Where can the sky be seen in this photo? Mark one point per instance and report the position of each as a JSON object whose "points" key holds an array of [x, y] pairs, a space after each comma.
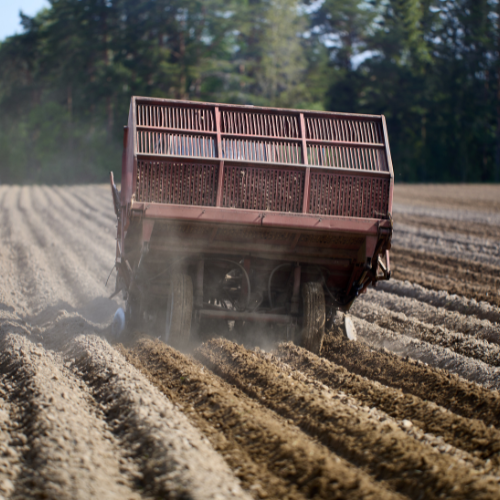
{"points": [[9, 14]]}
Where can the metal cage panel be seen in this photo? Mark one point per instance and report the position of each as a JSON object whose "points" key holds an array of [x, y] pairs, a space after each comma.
{"points": [[344, 129], [263, 124], [348, 196], [278, 160], [177, 183], [270, 189], [266, 151], [163, 143], [176, 117], [361, 158]]}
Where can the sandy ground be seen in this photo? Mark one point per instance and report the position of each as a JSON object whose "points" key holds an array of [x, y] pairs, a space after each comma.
{"points": [[410, 410]]}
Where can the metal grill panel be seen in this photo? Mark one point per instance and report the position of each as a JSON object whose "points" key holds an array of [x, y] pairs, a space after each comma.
{"points": [[151, 142], [344, 129], [188, 118], [271, 125], [342, 157], [177, 183], [348, 196], [268, 151], [263, 189], [261, 159]]}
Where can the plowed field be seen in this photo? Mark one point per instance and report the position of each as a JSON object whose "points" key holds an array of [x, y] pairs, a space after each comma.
{"points": [[409, 410]]}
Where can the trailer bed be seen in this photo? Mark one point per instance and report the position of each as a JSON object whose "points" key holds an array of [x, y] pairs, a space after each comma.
{"points": [[218, 181]]}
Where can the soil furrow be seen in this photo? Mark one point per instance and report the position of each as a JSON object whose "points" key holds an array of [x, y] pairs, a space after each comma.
{"points": [[102, 228], [40, 285], [442, 299], [79, 205], [304, 469], [465, 345], [472, 216], [175, 460], [64, 257], [10, 443], [388, 453], [455, 276], [434, 355], [464, 398], [76, 229], [452, 245], [470, 435], [445, 225], [97, 198], [449, 240], [436, 442], [471, 326], [457, 199], [67, 450], [95, 252]]}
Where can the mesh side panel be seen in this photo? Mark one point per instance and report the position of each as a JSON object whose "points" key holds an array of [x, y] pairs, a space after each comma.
{"points": [[177, 183], [344, 157], [335, 129], [175, 144], [263, 189], [273, 125], [268, 151], [348, 196], [159, 115]]}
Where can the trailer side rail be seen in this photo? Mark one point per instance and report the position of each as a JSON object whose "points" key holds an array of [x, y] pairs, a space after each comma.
{"points": [[265, 159]]}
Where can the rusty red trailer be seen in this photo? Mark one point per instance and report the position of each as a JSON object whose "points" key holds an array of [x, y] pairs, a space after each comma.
{"points": [[250, 214]]}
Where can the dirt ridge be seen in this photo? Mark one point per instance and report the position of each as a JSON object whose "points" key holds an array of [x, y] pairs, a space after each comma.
{"points": [[465, 345], [175, 459], [481, 310], [350, 433], [436, 356], [471, 435], [301, 470], [58, 426], [464, 398]]}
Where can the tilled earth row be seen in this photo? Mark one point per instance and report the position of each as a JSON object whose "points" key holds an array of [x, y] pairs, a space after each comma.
{"points": [[410, 410]]}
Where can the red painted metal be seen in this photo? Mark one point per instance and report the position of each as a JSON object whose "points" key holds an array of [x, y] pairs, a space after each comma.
{"points": [[177, 183], [318, 184], [175, 145], [348, 196], [259, 218], [276, 190]]}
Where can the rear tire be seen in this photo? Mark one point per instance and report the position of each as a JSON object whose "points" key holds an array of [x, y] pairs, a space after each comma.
{"points": [[179, 312], [314, 317], [133, 314]]}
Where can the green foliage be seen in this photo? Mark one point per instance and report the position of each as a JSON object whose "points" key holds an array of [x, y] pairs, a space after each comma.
{"points": [[431, 66]]}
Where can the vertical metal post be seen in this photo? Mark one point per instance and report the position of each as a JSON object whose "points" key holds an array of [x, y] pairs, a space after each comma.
{"points": [[307, 180], [220, 180], [124, 193], [198, 293], [244, 288], [296, 291], [387, 150]]}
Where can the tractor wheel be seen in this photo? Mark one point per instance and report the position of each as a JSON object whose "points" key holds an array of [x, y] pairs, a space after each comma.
{"points": [[179, 311], [133, 315], [313, 318]]}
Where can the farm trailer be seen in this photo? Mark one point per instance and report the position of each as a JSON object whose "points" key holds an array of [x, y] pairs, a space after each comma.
{"points": [[245, 215]]}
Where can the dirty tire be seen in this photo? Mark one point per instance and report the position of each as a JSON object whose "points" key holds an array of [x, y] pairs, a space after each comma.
{"points": [[179, 311], [133, 312], [313, 319]]}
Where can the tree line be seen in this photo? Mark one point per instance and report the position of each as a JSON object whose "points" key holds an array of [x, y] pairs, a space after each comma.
{"points": [[432, 67]]}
